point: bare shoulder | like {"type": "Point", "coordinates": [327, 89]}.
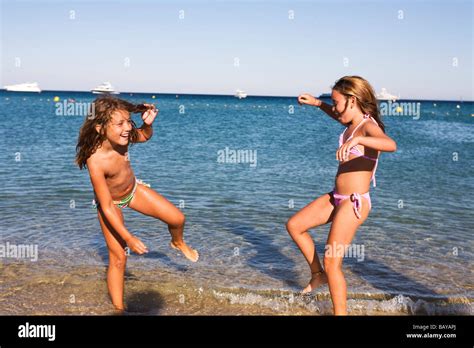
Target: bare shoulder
{"type": "Point", "coordinates": [371, 128]}
{"type": "Point", "coordinates": [94, 162]}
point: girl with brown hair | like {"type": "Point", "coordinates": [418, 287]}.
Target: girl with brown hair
{"type": "Point", "coordinates": [103, 148]}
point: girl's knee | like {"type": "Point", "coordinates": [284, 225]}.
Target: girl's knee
{"type": "Point", "coordinates": [118, 261]}
{"type": "Point", "coordinates": [332, 264]}
{"type": "Point", "coordinates": [178, 220]}
{"type": "Point", "coordinates": [292, 226]}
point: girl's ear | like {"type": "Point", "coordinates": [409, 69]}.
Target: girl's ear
{"type": "Point", "coordinates": [98, 128]}
{"type": "Point", "coordinates": [353, 101]}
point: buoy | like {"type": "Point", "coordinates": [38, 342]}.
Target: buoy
{"type": "Point", "coordinates": [399, 109]}
{"type": "Point", "coordinates": [56, 99]}
{"type": "Point", "coordinates": [153, 97]}
{"type": "Point", "coordinates": [458, 107]}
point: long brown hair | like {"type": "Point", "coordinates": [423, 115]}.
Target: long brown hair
{"type": "Point", "coordinates": [100, 114]}
{"type": "Point", "coordinates": [360, 88]}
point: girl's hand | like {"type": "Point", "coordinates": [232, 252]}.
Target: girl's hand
{"type": "Point", "coordinates": [309, 99]}
{"type": "Point", "coordinates": [136, 245]}
{"type": "Point", "coordinates": [149, 116]}
{"type": "Point", "coordinates": [342, 154]}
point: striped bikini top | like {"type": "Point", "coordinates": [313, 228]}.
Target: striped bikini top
{"type": "Point", "coordinates": [355, 150]}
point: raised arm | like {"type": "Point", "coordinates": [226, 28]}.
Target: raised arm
{"type": "Point", "coordinates": [373, 137]}
{"type": "Point", "coordinates": [107, 206]}
{"type": "Point", "coordinates": [376, 139]}
{"type": "Point", "coordinates": [145, 132]}
{"type": "Point", "coordinates": [308, 99]}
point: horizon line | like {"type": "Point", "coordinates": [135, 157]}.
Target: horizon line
{"type": "Point", "coordinates": [220, 95]}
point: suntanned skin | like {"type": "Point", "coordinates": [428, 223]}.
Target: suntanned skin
{"type": "Point", "coordinates": [112, 178]}
{"type": "Point", "coordinates": [353, 175]}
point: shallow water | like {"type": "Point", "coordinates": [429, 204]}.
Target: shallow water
{"type": "Point", "coordinates": [417, 241]}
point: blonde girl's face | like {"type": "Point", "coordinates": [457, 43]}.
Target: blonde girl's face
{"type": "Point", "coordinates": [119, 128]}
{"type": "Point", "coordinates": [339, 104]}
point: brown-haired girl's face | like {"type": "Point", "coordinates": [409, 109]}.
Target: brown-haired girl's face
{"type": "Point", "coordinates": [119, 128]}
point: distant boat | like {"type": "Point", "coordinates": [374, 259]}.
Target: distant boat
{"type": "Point", "coordinates": [105, 88]}
{"type": "Point", "coordinates": [385, 96]}
{"type": "Point", "coordinates": [325, 95]}
{"type": "Point", "coordinates": [240, 94]}
{"type": "Point", "coordinates": [24, 87]}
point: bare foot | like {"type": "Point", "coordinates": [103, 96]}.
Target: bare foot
{"type": "Point", "coordinates": [119, 310]}
{"type": "Point", "coordinates": [191, 254]}
{"type": "Point", "coordinates": [317, 279]}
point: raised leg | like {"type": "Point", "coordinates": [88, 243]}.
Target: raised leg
{"type": "Point", "coordinates": [149, 202]}
{"type": "Point", "coordinates": [318, 212]}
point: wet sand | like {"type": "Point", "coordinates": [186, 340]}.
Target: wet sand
{"type": "Point", "coordinates": [82, 290]}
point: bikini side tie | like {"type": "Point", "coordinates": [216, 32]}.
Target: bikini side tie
{"type": "Point", "coordinates": [356, 203]}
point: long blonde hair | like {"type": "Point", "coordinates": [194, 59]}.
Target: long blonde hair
{"type": "Point", "coordinates": [360, 88]}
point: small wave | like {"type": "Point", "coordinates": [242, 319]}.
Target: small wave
{"type": "Point", "coordinates": [358, 303]}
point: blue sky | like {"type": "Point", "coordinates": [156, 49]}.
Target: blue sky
{"type": "Point", "coordinates": [413, 53]}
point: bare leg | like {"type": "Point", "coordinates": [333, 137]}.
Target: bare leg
{"type": "Point", "coordinates": [318, 212]}
{"type": "Point", "coordinates": [343, 229]}
{"type": "Point", "coordinates": [149, 202]}
{"type": "Point", "coordinates": [117, 260]}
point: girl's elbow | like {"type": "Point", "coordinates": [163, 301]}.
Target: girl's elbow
{"type": "Point", "coordinates": [393, 146]}
{"type": "Point", "coordinates": [108, 210]}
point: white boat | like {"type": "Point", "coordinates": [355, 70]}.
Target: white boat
{"type": "Point", "coordinates": [105, 88]}
{"type": "Point", "coordinates": [325, 95]}
{"type": "Point", "coordinates": [240, 94]}
{"type": "Point", "coordinates": [385, 96]}
{"type": "Point", "coordinates": [24, 87]}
